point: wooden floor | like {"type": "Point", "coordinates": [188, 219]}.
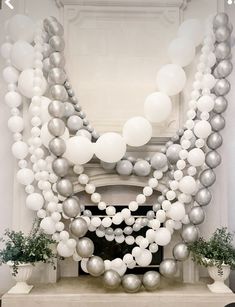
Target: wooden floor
{"type": "Point", "coordinates": [89, 292]}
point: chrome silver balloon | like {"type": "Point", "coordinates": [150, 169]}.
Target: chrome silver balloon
{"type": "Point", "coordinates": [203, 197]}
{"type": "Point", "coordinates": [217, 122]}
{"type": "Point", "coordinates": [74, 123]}
{"type": "Point", "coordinates": [172, 153]}
{"type": "Point", "coordinates": [222, 50]}
{"type": "Point", "coordinates": [214, 140]}
{"type": "Point", "coordinates": [222, 33]}
{"type": "Point", "coordinates": [111, 279]}
{"type": "Point", "coordinates": [213, 159]}
{"type": "Point", "coordinates": [85, 247]}
{"type": "Point", "coordinates": [60, 167]}
{"type": "Point", "coordinates": [142, 168]}
{"type": "Point", "coordinates": [151, 280]}
{"type": "Point", "coordinates": [190, 233]}
{"type": "Point", "coordinates": [58, 92]}
{"type": "Point", "coordinates": [57, 76]}
{"type": "Point", "coordinates": [131, 283]}
{"type": "Point", "coordinates": [69, 109]}
{"type": "Point", "coordinates": [56, 109]}
{"type": "Point", "coordinates": [220, 19]}
{"type": "Point", "coordinates": [224, 68]}
{"type": "Point", "coordinates": [57, 60]}
{"type": "Point", "coordinates": [56, 127]}
{"type": "Point", "coordinates": [158, 161]}
{"type": "Point", "coordinates": [79, 227]}
{"type": "Point", "coordinates": [207, 177]}
{"type": "Point", "coordinates": [222, 87]}
{"type": "Point", "coordinates": [124, 168]}
{"type": "Point", "coordinates": [221, 105]}
{"type": "Point", "coordinates": [57, 146]}
{"type": "Point", "coordinates": [95, 266]}
{"type": "Point", "coordinates": [64, 187]}
{"type": "Point", "coordinates": [55, 28]}
{"type": "Point", "coordinates": [181, 252]}
{"type": "Point", "coordinates": [197, 215]}
{"type": "Point", "coordinates": [168, 268]}
{"type": "Point", "coordinates": [71, 207]}
{"type": "Point", "coordinates": [57, 43]}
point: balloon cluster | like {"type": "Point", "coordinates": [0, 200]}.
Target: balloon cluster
{"type": "Point", "coordinates": [61, 136]}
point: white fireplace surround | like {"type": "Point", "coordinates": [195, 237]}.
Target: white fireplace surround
{"type": "Point", "coordinates": [92, 53]}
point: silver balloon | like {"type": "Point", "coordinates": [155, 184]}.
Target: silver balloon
{"type": "Point", "coordinates": [222, 50]}
{"type": "Point", "coordinates": [64, 187]}
{"type": "Point", "coordinates": [79, 227]}
{"type": "Point", "coordinates": [60, 167]}
{"type": "Point", "coordinates": [124, 168]}
{"type": "Point", "coordinates": [56, 109]}
{"type": "Point", "coordinates": [196, 215]}
{"type": "Point", "coordinates": [95, 266]}
{"type": "Point", "coordinates": [85, 247]}
{"type": "Point", "coordinates": [213, 159]}
{"type": "Point", "coordinates": [111, 279]}
{"type": "Point", "coordinates": [217, 122]}
{"type": "Point", "coordinates": [181, 252]}
{"type": "Point", "coordinates": [57, 60]}
{"type": "Point", "coordinates": [57, 146]}
{"type": "Point", "coordinates": [57, 43]}
{"type": "Point", "coordinates": [168, 268]}
{"type": "Point", "coordinates": [222, 87]}
{"type": "Point", "coordinates": [56, 126]}
{"type": "Point", "coordinates": [172, 153]}
{"type": "Point", "coordinates": [151, 280]}
{"type": "Point", "coordinates": [190, 233]}
{"type": "Point", "coordinates": [220, 19]}
{"type": "Point", "coordinates": [142, 168]}
{"type": "Point", "coordinates": [57, 76]}
{"type": "Point", "coordinates": [222, 34]}
{"type": "Point", "coordinates": [158, 161]}
{"type": "Point", "coordinates": [74, 123]}
{"type": "Point", "coordinates": [55, 28]}
{"type": "Point", "coordinates": [108, 166]}
{"type": "Point", "coordinates": [69, 109]}
{"type": "Point", "coordinates": [207, 177]}
{"type": "Point", "coordinates": [203, 197]}
{"type": "Point", "coordinates": [214, 140]}
{"type": "Point", "coordinates": [131, 283]}
{"type": "Point", "coordinates": [221, 105]}
{"type": "Point", "coordinates": [71, 207]}
{"type": "Point", "coordinates": [224, 68]}
{"type": "Point", "coordinates": [58, 92]}
{"type": "Point", "coordinates": [85, 133]}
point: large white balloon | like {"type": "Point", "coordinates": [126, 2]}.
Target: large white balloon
{"type": "Point", "coordinates": [181, 51]}
{"type": "Point", "coordinates": [187, 185]}
{"type": "Point", "coordinates": [35, 201]}
{"type": "Point", "coordinates": [46, 137]}
{"type": "Point", "coordinates": [110, 147]}
{"type": "Point", "coordinates": [26, 83]}
{"type": "Point", "coordinates": [196, 157]}
{"type": "Point", "coordinates": [193, 30]}
{"type": "Point", "coordinates": [48, 225]}
{"type": "Point", "coordinates": [20, 150]}
{"type": "Point", "coordinates": [22, 55]}
{"type": "Point", "coordinates": [79, 150]}
{"type": "Point", "coordinates": [177, 211]}
{"type": "Point", "coordinates": [15, 124]}
{"type": "Point", "coordinates": [64, 251]}
{"type": "Point", "coordinates": [137, 131]}
{"type": "Point", "coordinates": [157, 107]}
{"type": "Point", "coordinates": [171, 79]}
{"type": "Point", "coordinates": [202, 129]}
{"type": "Point", "coordinates": [205, 103]}
{"type": "Point", "coordinates": [21, 27]}
{"type": "Point", "coordinates": [145, 258]}
{"type": "Point", "coordinates": [162, 236]}
{"type": "Point", "coordinates": [25, 176]}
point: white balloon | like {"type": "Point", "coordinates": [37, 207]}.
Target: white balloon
{"type": "Point", "coordinates": [10, 74]}
{"type": "Point", "coordinates": [171, 79]}
{"type": "Point", "coordinates": [187, 185]}
{"type": "Point", "coordinates": [22, 55]}
{"type": "Point", "coordinates": [20, 150]}
{"type": "Point", "coordinates": [193, 30]}
{"type": "Point", "coordinates": [110, 147]}
{"type": "Point", "coordinates": [35, 201]}
{"type": "Point", "coordinates": [26, 83]}
{"type": "Point", "coordinates": [162, 236]}
{"type": "Point", "coordinates": [46, 137]}
{"type": "Point", "coordinates": [64, 250]}
{"type": "Point", "coordinates": [25, 176]}
{"type": "Point", "coordinates": [202, 129]}
{"type": "Point", "coordinates": [13, 99]}
{"type": "Point", "coordinates": [157, 107]}
{"type": "Point", "coordinates": [44, 114]}
{"type": "Point", "coordinates": [181, 51]}
{"type": "Point", "coordinates": [48, 225]}
{"type": "Point", "coordinates": [137, 131]}
{"type": "Point", "coordinates": [177, 211]}
{"type": "Point", "coordinates": [85, 133]}
{"type": "Point", "coordinates": [196, 157]}
{"type": "Point", "coordinates": [6, 50]}
{"type": "Point", "coordinates": [16, 124]}
{"type": "Point", "coordinates": [21, 27]}
{"type": "Point", "coordinates": [79, 150]}
{"type": "Point", "coordinates": [205, 103]}
{"type": "Point", "coordinates": [208, 81]}
{"type": "Point", "coordinates": [145, 258]}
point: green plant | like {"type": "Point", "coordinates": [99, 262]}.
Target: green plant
{"type": "Point", "coordinates": [32, 248]}
{"type": "Point", "coordinates": [217, 251]}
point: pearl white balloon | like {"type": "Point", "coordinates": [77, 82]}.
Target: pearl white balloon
{"type": "Point", "coordinates": [44, 114]}
{"type": "Point", "coordinates": [26, 83]}
{"type": "Point", "coordinates": [110, 147]}
{"type": "Point", "coordinates": [35, 201]}
{"type": "Point", "coordinates": [187, 185]}
{"type": "Point", "coordinates": [171, 79]}
{"type": "Point", "coordinates": [46, 137]}
{"type": "Point", "coordinates": [157, 107]}
{"type": "Point", "coordinates": [205, 103]}
{"type": "Point", "coordinates": [202, 129]}
{"type": "Point", "coordinates": [48, 225]}
{"type": "Point", "coordinates": [196, 157]}
{"type": "Point", "coordinates": [16, 124]}
{"type": "Point", "coordinates": [10, 74]}
{"type": "Point", "coordinates": [181, 51]}
{"type": "Point", "coordinates": [177, 211]}
{"type": "Point", "coordinates": [13, 99]}
{"type": "Point", "coordinates": [145, 258]}
{"type": "Point", "coordinates": [137, 131]}
{"type": "Point", "coordinates": [193, 30]}
{"type": "Point", "coordinates": [64, 250]}
{"type": "Point", "coordinates": [162, 236]}
{"type": "Point", "coordinates": [20, 150]}
{"type": "Point", "coordinates": [25, 176]}
{"type": "Point", "coordinates": [22, 55]}
{"type": "Point", "coordinates": [21, 27]}
{"type": "Point", "coordinates": [79, 150]}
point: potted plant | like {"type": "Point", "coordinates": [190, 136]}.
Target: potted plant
{"type": "Point", "coordinates": [218, 255]}
{"type": "Point", "coordinates": [21, 252]}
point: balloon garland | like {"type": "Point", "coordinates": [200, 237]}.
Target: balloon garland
{"type": "Point", "coordinates": [61, 136]}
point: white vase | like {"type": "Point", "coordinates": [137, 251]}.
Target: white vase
{"type": "Point", "coordinates": [21, 278]}
{"type": "Point", "coordinates": [219, 286]}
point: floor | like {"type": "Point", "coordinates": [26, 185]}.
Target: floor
{"type": "Point", "coordinates": [89, 292]}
